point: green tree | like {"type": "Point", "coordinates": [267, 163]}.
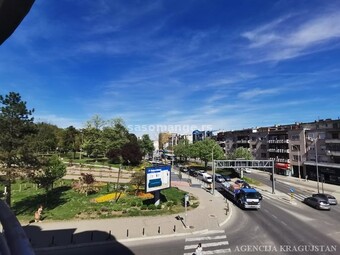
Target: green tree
{"type": "Point", "coordinates": [138, 180]}
{"type": "Point", "coordinates": [182, 150]}
{"type": "Point", "coordinates": [52, 170]}
{"type": "Point", "coordinates": [45, 140]}
{"type": "Point", "coordinates": [131, 152]}
{"type": "Point", "coordinates": [70, 141]}
{"type": "Point", "coordinates": [16, 125]}
{"type": "Point", "coordinates": [208, 148]}
{"type": "Point", "coordinates": [146, 145]}
{"type": "Point", "coordinates": [240, 152]}
{"type": "Point", "coordinates": [93, 143]}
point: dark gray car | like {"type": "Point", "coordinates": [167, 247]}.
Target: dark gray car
{"type": "Point", "coordinates": [331, 199]}
{"type": "Point", "coordinates": [317, 203]}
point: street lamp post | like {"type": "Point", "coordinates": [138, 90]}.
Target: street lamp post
{"type": "Point", "coordinates": [298, 149]}
{"type": "Point", "coordinates": [315, 140]}
{"type": "Point", "coordinates": [213, 169]}
{"type": "Point", "coordinates": [316, 164]}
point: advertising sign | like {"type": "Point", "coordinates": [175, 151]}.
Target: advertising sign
{"type": "Point", "coordinates": [157, 178]}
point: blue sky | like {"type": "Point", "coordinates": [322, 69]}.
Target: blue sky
{"type": "Point", "coordinates": [195, 64]}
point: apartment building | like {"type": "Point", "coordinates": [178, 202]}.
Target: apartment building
{"type": "Point", "coordinates": [299, 149]}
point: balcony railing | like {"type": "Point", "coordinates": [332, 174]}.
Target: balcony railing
{"type": "Point", "coordinates": [333, 153]}
{"type": "Point", "coordinates": [279, 141]}
{"type": "Point", "coordinates": [332, 141]}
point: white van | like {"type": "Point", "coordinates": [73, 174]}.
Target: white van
{"type": "Point", "coordinates": [207, 177]}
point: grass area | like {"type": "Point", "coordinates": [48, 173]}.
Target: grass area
{"type": "Point", "coordinates": [64, 203]}
{"type": "Point", "coordinates": [251, 181]}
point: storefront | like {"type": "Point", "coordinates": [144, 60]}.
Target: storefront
{"type": "Point", "coordinates": [283, 169]}
{"type": "Point", "coordinates": [328, 173]}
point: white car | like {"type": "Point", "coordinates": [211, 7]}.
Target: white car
{"type": "Point", "coordinates": [247, 170]}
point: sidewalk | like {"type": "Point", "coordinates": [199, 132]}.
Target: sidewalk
{"type": "Point", "coordinates": [211, 214]}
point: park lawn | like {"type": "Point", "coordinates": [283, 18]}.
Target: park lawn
{"type": "Point", "coordinates": [63, 203]}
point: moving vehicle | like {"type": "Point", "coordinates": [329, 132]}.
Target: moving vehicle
{"type": "Point", "coordinates": [245, 198]}
{"type": "Point", "coordinates": [331, 199]}
{"type": "Point", "coordinates": [317, 203]}
{"type": "Point", "coordinates": [207, 177]}
{"type": "Point", "coordinates": [219, 178]}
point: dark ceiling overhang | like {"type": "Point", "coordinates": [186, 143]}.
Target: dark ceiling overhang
{"type": "Point", "coordinates": [12, 12]}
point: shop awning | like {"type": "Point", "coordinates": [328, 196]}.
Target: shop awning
{"type": "Point", "coordinates": [284, 166]}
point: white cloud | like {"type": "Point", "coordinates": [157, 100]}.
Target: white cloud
{"type": "Point", "coordinates": [286, 38]}
{"type": "Point", "coordinates": [253, 93]}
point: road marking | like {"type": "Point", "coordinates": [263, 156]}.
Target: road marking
{"type": "Point", "coordinates": [221, 251]}
{"type": "Point", "coordinates": [204, 238]}
{"type": "Point", "coordinates": [206, 245]}
{"type": "Point", "coordinates": [274, 216]}
{"type": "Point", "coordinates": [284, 223]}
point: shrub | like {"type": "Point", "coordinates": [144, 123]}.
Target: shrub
{"type": "Point", "coordinates": [159, 206]}
{"type": "Point", "coordinates": [117, 207]}
{"type": "Point", "coordinates": [144, 207]}
{"type": "Point", "coordinates": [152, 207]}
{"type": "Point", "coordinates": [133, 203]}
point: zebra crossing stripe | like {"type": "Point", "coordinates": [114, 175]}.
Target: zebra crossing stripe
{"type": "Point", "coordinates": [206, 245]}
{"type": "Point", "coordinates": [205, 238]}
{"type": "Point", "coordinates": [220, 251]}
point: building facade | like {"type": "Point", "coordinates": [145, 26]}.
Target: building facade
{"type": "Point", "coordinates": [303, 150]}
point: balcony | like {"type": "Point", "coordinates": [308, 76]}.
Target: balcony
{"type": "Point", "coordinates": [333, 153]}
{"type": "Point", "coordinates": [281, 160]}
{"type": "Point", "coordinates": [279, 141]}
{"type": "Point", "coordinates": [243, 141]}
{"type": "Point", "coordinates": [332, 141]}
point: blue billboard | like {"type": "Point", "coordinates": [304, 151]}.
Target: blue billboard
{"type": "Point", "coordinates": [157, 178]}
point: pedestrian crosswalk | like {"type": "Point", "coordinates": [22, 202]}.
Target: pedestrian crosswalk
{"type": "Point", "coordinates": [295, 197]}
{"type": "Point", "coordinates": [213, 242]}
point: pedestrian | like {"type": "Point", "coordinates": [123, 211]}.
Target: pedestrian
{"type": "Point", "coordinates": [37, 214]}
{"type": "Point", "coordinates": [199, 250]}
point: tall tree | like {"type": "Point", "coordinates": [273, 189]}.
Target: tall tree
{"type": "Point", "coordinates": [93, 142]}
{"type": "Point", "coordinates": [70, 141]}
{"type": "Point", "coordinates": [16, 125]}
{"type": "Point", "coordinates": [131, 152]}
{"type": "Point", "coordinates": [208, 148]}
{"type": "Point", "coordinates": [46, 138]}
{"type": "Point", "coordinates": [182, 150]}
{"type": "Point", "coordinates": [146, 145]}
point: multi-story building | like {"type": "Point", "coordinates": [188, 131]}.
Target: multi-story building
{"type": "Point", "coordinates": [300, 149]}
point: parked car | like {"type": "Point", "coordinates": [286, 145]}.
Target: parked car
{"type": "Point", "coordinates": [200, 172]}
{"type": "Point", "coordinates": [207, 177]}
{"type": "Point", "coordinates": [227, 178]}
{"type": "Point", "coordinates": [331, 199]}
{"type": "Point", "coordinates": [183, 169]}
{"type": "Point", "coordinates": [317, 203]}
{"type": "Point", "coordinates": [219, 178]}
{"type": "Point", "coordinates": [192, 172]}
{"type": "Point", "coordinates": [247, 170]}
